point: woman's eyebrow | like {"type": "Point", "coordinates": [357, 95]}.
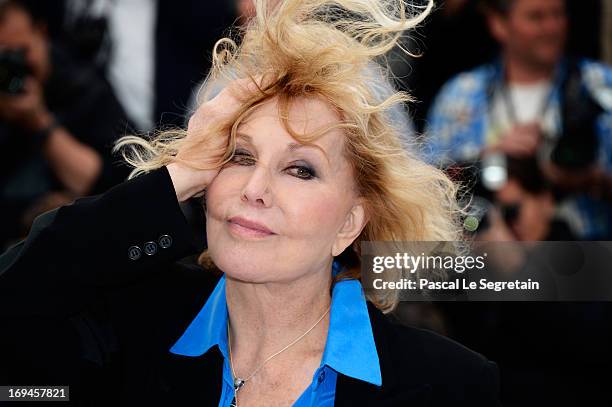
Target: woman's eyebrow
{"type": "Point", "coordinates": [291, 147]}
{"type": "Point", "coordinates": [244, 137]}
{"type": "Point", "coordinates": [296, 146]}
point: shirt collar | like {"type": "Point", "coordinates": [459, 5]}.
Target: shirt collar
{"type": "Point", "coordinates": [350, 348]}
{"type": "Point", "coordinates": [208, 328]}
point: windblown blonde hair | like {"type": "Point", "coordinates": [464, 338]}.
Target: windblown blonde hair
{"type": "Point", "coordinates": [333, 50]}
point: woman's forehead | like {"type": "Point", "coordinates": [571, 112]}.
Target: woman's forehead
{"type": "Point", "coordinates": [305, 115]}
{"type": "Point", "coordinates": [312, 111]}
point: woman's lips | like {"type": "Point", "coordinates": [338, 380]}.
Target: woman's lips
{"type": "Point", "coordinates": [248, 228]}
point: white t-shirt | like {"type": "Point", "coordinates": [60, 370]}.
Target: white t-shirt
{"type": "Point", "coordinates": [530, 103]}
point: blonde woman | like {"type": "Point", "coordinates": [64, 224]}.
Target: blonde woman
{"type": "Point", "coordinates": [296, 161]}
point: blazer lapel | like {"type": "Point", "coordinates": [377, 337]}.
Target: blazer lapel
{"type": "Point", "coordinates": [189, 381]}
{"type": "Point", "coordinates": [351, 392]}
{"type": "Point", "coordinates": [400, 387]}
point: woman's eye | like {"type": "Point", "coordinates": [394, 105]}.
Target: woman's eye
{"type": "Point", "coordinates": [301, 172]}
{"type": "Point", "coordinates": [243, 158]}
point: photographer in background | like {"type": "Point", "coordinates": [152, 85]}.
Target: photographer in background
{"type": "Point", "coordinates": [533, 102]}
{"type": "Point", "coordinates": [58, 121]}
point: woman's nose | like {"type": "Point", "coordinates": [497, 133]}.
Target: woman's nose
{"type": "Point", "coordinates": [256, 190]}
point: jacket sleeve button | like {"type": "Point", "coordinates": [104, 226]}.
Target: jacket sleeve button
{"type": "Point", "coordinates": [165, 241]}
{"type": "Point", "coordinates": [150, 248]}
{"type": "Point", "coordinates": [134, 253]}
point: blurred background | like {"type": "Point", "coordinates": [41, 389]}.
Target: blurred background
{"type": "Point", "coordinates": [513, 98]}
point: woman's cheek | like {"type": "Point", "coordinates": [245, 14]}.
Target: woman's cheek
{"type": "Point", "coordinates": [221, 190]}
{"type": "Point", "coordinates": [315, 215]}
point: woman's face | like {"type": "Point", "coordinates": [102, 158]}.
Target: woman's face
{"type": "Point", "coordinates": [280, 210]}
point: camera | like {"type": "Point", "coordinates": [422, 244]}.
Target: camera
{"type": "Point", "coordinates": [13, 71]}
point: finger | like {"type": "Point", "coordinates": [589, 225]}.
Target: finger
{"type": "Point", "coordinates": [533, 126]}
{"type": "Point", "coordinates": [527, 127]}
{"type": "Point", "coordinates": [244, 88]}
{"type": "Point", "coordinates": [520, 151]}
{"type": "Point", "coordinates": [514, 146]}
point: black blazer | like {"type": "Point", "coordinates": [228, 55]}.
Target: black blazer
{"type": "Point", "coordinates": [78, 307]}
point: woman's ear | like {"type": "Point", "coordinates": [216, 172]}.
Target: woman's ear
{"type": "Point", "coordinates": [355, 221]}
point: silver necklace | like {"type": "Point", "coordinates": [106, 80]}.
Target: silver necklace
{"type": "Point", "coordinates": [238, 382]}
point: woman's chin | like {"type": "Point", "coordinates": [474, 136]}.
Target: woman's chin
{"type": "Point", "coordinates": [237, 268]}
{"type": "Point", "coordinates": [245, 277]}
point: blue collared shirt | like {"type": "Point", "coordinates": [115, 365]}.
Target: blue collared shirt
{"type": "Point", "coordinates": [349, 349]}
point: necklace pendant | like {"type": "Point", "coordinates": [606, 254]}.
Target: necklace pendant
{"type": "Point", "coordinates": [238, 383]}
